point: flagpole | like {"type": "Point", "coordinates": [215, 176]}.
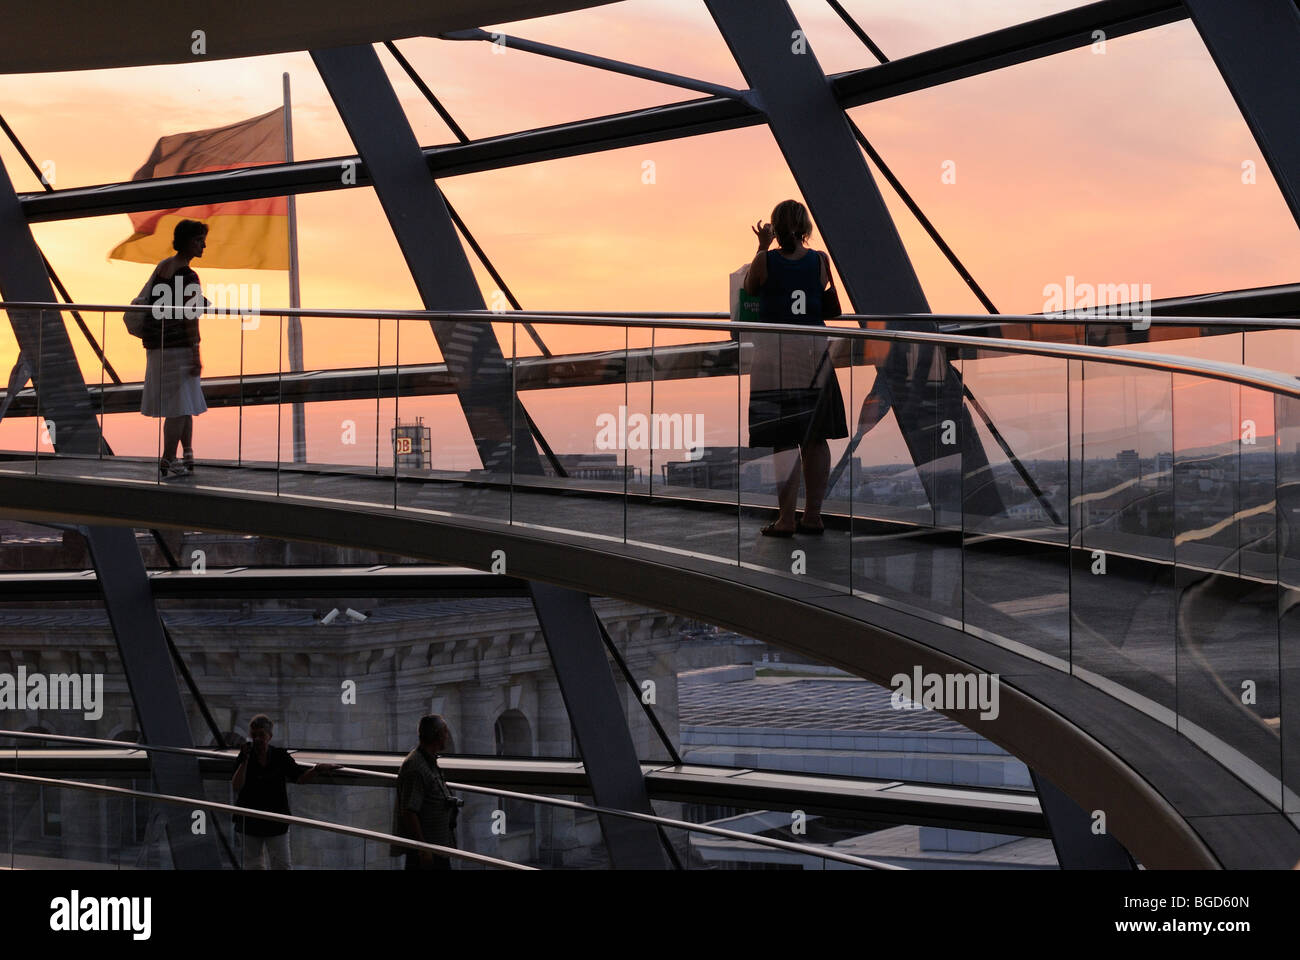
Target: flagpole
{"type": "Point", "coordinates": [295, 323]}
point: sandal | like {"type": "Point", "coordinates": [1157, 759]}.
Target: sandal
{"type": "Point", "coordinates": [771, 530]}
{"type": "Point", "coordinates": [170, 469]}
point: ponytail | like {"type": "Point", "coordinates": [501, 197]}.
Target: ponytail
{"type": "Point", "coordinates": [791, 224]}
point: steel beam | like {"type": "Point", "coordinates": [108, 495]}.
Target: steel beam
{"type": "Point", "coordinates": [54, 277]}
{"type": "Point", "coordinates": [43, 344]}
{"type": "Point", "coordinates": [1077, 846]}
{"type": "Point", "coordinates": [814, 136]}
{"type": "Point", "coordinates": [418, 215]}
{"type": "Point", "coordinates": [128, 32]}
{"type": "Point", "coordinates": [572, 635]}
{"type": "Point", "coordinates": [858, 31]}
{"type": "Point", "coordinates": [424, 230]}
{"type": "Point", "coordinates": [65, 402]}
{"type": "Point", "coordinates": [818, 144]}
{"type": "Point", "coordinates": [600, 63]}
{"type": "Point", "coordinates": [1016, 44]}
{"type": "Point", "coordinates": [966, 58]}
{"type": "Point", "coordinates": [1256, 46]}
{"type": "Point", "coordinates": [146, 661]}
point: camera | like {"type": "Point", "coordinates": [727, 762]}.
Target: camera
{"type": "Point", "coordinates": [454, 804]}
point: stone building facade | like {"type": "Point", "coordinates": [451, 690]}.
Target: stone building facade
{"type": "Point", "coordinates": [347, 685]}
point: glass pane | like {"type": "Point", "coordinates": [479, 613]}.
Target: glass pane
{"type": "Point", "coordinates": [907, 478]}
{"type": "Point", "coordinates": [1224, 475]}
{"type": "Point", "coordinates": [259, 397]}
{"type": "Point", "coordinates": [1272, 350]}
{"type": "Point", "coordinates": [1016, 581]}
{"type": "Point", "coordinates": [441, 463]}
{"type": "Point", "coordinates": [797, 429]}
{"type": "Point", "coordinates": [1288, 539]}
{"type": "Point", "coordinates": [773, 710]}
{"type": "Point", "coordinates": [1122, 533]}
{"type": "Point", "coordinates": [574, 408]}
{"type": "Point", "coordinates": [19, 429]}
{"type": "Point", "coordinates": [681, 439]}
{"type": "Point", "coordinates": [336, 386]}
{"type": "Point", "coordinates": [905, 29]}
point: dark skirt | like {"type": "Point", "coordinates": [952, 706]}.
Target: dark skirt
{"type": "Point", "coordinates": [793, 416]}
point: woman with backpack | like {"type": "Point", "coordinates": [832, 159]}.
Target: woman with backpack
{"type": "Point", "coordinates": [172, 390]}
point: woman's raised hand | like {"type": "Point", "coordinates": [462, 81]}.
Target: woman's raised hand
{"type": "Point", "coordinates": [765, 234]}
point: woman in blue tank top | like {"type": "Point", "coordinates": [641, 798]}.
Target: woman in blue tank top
{"type": "Point", "coordinates": [795, 403]}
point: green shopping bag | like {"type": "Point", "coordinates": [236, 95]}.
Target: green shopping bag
{"type": "Point", "coordinates": [744, 306]}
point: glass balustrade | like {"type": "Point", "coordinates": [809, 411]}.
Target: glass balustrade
{"type": "Point", "coordinates": [1130, 526]}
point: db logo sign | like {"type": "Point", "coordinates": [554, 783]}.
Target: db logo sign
{"type": "Point", "coordinates": [403, 445]}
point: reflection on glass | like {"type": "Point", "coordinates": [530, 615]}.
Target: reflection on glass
{"type": "Point", "coordinates": [1120, 523]}
{"type": "Point", "coordinates": [793, 519]}
{"type": "Point", "coordinates": [1122, 532]}
{"type": "Point", "coordinates": [1225, 550]}
{"type": "Point", "coordinates": [1288, 558]}
{"type": "Point", "coordinates": [1015, 564]}
{"type": "Point", "coordinates": [906, 496]}
{"type": "Point", "coordinates": [680, 433]}
{"type": "Point", "coordinates": [569, 458]}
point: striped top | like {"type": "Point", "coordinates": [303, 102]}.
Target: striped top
{"type": "Point", "coordinates": [422, 791]}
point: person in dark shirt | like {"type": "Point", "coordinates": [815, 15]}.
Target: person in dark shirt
{"type": "Point", "coordinates": [262, 773]}
{"type": "Point", "coordinates": [795, 402]}
{"type": "Point", "coordinates": [172, 389]}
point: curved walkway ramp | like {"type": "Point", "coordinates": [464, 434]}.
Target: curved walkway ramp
{"type": "Point", "coordinates": [1131, 585]}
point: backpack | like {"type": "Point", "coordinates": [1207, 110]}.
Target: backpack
{"type": "Point", "coordinates": [138, 321]}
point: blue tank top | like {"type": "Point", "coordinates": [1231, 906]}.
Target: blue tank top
{"type": "Point", "coordinates": [785, 278]}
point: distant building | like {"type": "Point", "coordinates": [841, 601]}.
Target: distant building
{"type": "Point", "coordinates": [714, 470]}
{"type": "Point", "coordinates": [411, 445]}
{"type": "Point", "coordinates": [597, 466]}
{"type": "Point", "coordinates": [1164, 469]}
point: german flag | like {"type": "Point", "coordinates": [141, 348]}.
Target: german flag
{"type": "Point", "coordinates": [247, 234]}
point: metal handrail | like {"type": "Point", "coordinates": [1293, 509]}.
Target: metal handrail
{"type": "Point", "coordinates": [710, 319]}
{"type": "Point", "coordinates": [285, 818]}
{"type": "Point", "coordinates": [1214, 370]}
{"type": "Point", "coordinates": [491, 791]}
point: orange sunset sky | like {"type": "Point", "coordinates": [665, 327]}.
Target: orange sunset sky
{"type": "Point", "coordinates": [1121, 165]}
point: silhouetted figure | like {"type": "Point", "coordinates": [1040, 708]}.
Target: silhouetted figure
{"type": "Point", "coordinates": [425, 810]}
{"type": "Point", "coordinates": [171, 380]}
{"type": "Point", "coordinates": [795, 404]}
{"type": "Point", "coordinates": [261, 774]}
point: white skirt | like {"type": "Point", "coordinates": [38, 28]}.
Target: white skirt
{"type": "Point", "coordinates": [170, 389]}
